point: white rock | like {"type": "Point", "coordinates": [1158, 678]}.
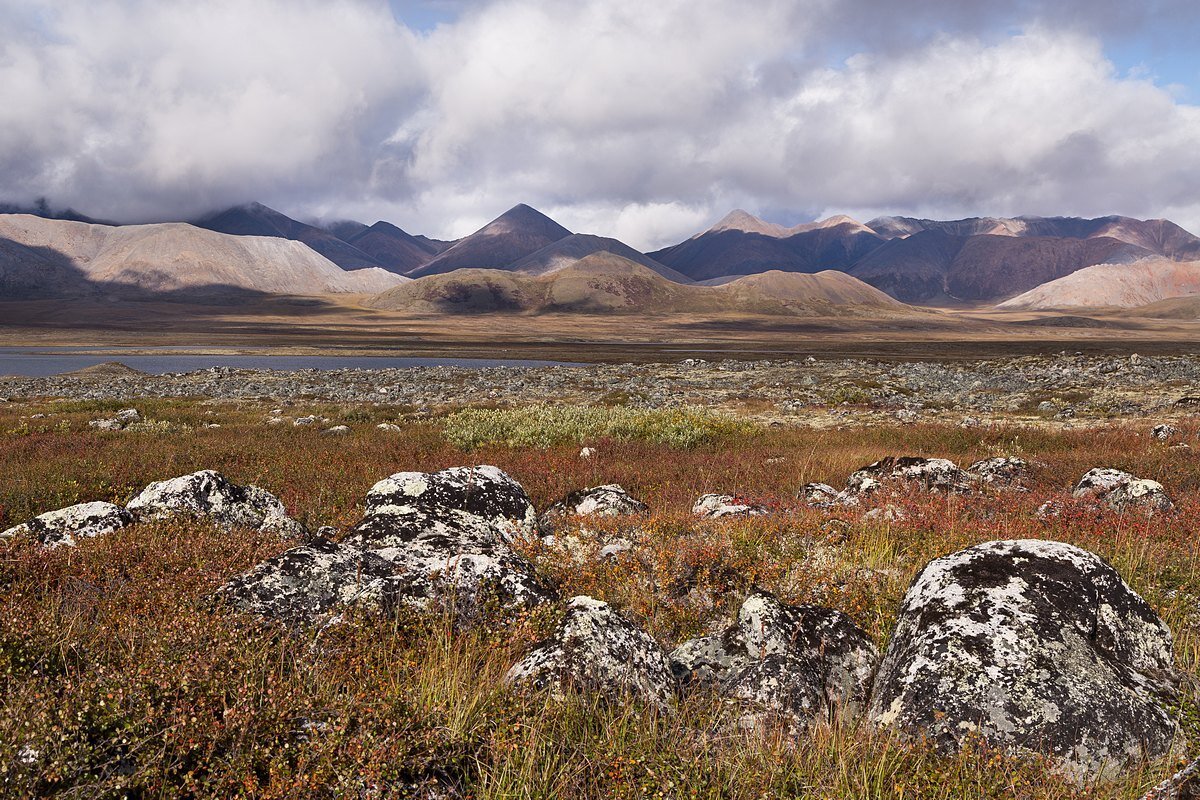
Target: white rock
{"type": "Point", "coordinates": [66, 526]}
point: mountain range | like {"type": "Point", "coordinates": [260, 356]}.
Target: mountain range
{"type": "Point", "coordinates": [1013, 263]}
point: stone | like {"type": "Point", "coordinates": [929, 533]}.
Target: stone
{"type": "Point", "coordinates": [486, 494]}
{"type": "Point", "coordinates": [588, 452]}
{"type": "Point", "coordinates": [1183, 785]}
{"type": "Point", "coordinates": [389, 427]}
{"type": "Point", "coordinates": [1030, 644]}
{"type": "Point", "coordinates": [610, 500]}
{"type": "Point", "coordinates": [714, 506]}
{"type": "Point", "coordinates": [64, 527]}
{"type": "Point", "coordinates": [106, 424]}
{"type": "Point", "coordinates": [1122, 492]}
{"type": "Point", "coordinates": [802, 662]}
{"type": "Point", "coordinates": [209, 494]}
{"type": "Point", "coordinates": [127, 416]}
{"type": "Point", "coordinates": [1002, 472]}
{"type": "Point", "coordinates": [597, 650]}
{"type": "Point", "coordinates": [310, 581]}
{"type": "Point", "coordinates": [819, 495]}
{"type": "Point", "coordinates": [886, 513]}
{"type": "Point", "coordinates": [303, 421]}
{"type": "Point", "coordinates": [928, 474]}
{"type": "Point", "coordinates": [336, 430]}
{"type": "Point", "coordinates": [615, 549]}
{"type": "Point", "coordinates": [1163, 432]}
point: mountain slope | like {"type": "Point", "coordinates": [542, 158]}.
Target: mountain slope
{"type": "Point", "coordinates": [505, 240]}
{"type": "Point", "coordinates": [392, 248]}
{"type": "Point", "coordinates": [1150, 280]}
{"type": "Point", "coordinates": [608, 283]}
{"type": "Point", "coordinates": [741, 244]}
{"type": "Point", "coordinates": [570, 250]}
{"type": "Point", "coordinates": [255, 219]}
{"type": "Point", "coordinates": [176, 259]}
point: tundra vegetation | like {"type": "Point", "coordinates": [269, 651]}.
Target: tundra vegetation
{"type": "Point", "coordinates": [120, 677]}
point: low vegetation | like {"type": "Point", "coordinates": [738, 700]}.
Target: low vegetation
{"type": "Point", "coordinates": [118, 678]}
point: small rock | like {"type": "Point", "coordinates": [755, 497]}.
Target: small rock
{"type": "Point", "coordinates": [819, 495]}
{"type": "Point", "coordinates": [302, 421]}
{"type": "Point", "coordinates": [615, 548]}
{"type": "Point", "coordinates": [587, 452]}
{"type": "Point", "coordinates": [888, 513]}
{"type": "Point", "coordinates": [726, 505]}
{"type": "Point", "coordinates": [597, 650]}
{"type": "Point", "coordinates": [930, 474]}
{"type": "Point", "coordinates": [1163, 432]}
{"type": "Point", "coordinates": [336, 430]}
{"type": "Point", "coordinates": [390, 427]}
{"type": "Point", "coordinates": [128, 415]}
{"type": "Point", "coordinates": [1121, 491]}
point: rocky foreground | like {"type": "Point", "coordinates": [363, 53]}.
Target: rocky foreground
{"type": "Point", "coordinates": [1059, 388]}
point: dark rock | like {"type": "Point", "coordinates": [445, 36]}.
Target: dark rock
{"type": "Point", "coordinates": [211, 495]}
{"type": "Point", "coordinates": [1035, 645]}
{"type": "Point", "coordinates": [1164, 432]}
{"type": "Point", "coordinates": [798, 661]}
{"type": "Point", "coordinates": [819, 495]}
{"type": "Point", "coordinates": [597, 650]}
{"type": "Point", "coordinates": [66, 526]}
{"type": "Point", "coordinates": [610, 500]}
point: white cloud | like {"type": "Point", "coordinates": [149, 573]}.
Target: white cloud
{"type": "Point", "coordinates": [643, 121]}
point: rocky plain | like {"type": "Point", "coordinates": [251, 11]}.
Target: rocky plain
{"type": "Point", "coordinates": [815, 578]}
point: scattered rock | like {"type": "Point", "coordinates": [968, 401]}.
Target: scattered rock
{"type": "Point", "coordinates": [597, 650]}
{"type": "Point", "coordinates": [302, 421]}
{"type": "Point", "coordinates": [588, 452]}
{"type": "Point", "coordinates": [336, 430]}
{"type": "Point", "coordinates": [888, 513]}
{"type": "Point", "coordinates": [118, 422]}
{"type": "Point", "coordinates": [1030, 644]}
{"type": "Point", "coordinates": [819, 495]}
{"type": "Point", "coordinates": [599, 501]}
{"type": "Point", "coordinates": [726, 505]}
{"type": "Point", "coordinates": [616, 548]}
{"type": "Point", "coordinates": [66, 526]}
{"type": "Point", "coordinates": [390, 427]}
{"type": "Point", "coordinates": [798, 661]}
{"type": "Point", "coordinates": [1183, 785]}
{"type": "Point", "coordinates": [1121, 491]}
{"type": "Point", "coordinates": [211, 495]}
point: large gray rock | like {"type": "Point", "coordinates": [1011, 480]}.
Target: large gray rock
{"type": "Point", "coordinates": [610, 500]}
{"type": "Point", "coordinates": [429, 540]}
{"type": "Point", "coordinates": [1030, 644]}
{"type": "Point", "coordinates": [1123, 492]}
{"type": "Point", "coordinates": [929, 474]}
{"type": "Point", "coordinates": [800, 662]}
{"type": "Point", "coordinates": [597, 650]}
{"type": "Point", "coordinates": [209, 494]}
{"type": "Point", "coordinates": [1003, 472]}
{"type": "Point", "coordinates": [66, 526]}
{"type": "Point", "coordinates": [307, 582]}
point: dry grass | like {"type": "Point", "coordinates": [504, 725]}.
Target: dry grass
{"type": "Point", "coordinates": [115, 669]}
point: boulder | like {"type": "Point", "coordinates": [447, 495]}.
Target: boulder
{"type": "Point", "coordinates": [1164, 432]}
{"type": "Point", "coordinates": [726, 505]}
{"type": "Point", "coordinates": [66, 526]}
{"type": "Point", "coordinates": [337, 430]}
{"type": "Point", "coordinates": [389, 427]}
{"type": "Point", "coordinates": [928, 474]}
{"type": "Point", "coordinates": [118, 422]}
{"type": "Point", "coordinates": [1121, 491]}
{"type": "Point", "coordinates": [482, 495]}
{"type": "Point", "coordinates": [822, 495]}
{"type": "Point", "coordinates": [211, 495]}
{"type": "Point", "coordinates": [1033, 645]}
{"type": "Point", "coordinates": [610, 500]}
{"type": "Point", "coordinates": [597, 650]}
{"type": "Point", "coordinates": [307, 582]}
{"type": "Point", "coordinates": [801, 662]}
{"type": "Point", "coordinates": [1007, 472]}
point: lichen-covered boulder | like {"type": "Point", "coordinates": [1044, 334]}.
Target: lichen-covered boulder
{"type": "Point", "coordinates": [66, 526]}
{"type": "Point", "coordinates": [1030, 644]}
{"type": "Point", "coordinates": [1122, 492]}
{"type": "Point", "coordinates": [929, 474]}
{"type": "Point", "coordinates": [597, 650]}
{"type": "Point", "coordinates": [798, 661]}
{"type": "Point", "coordinates": [610, 500]}
{"type": "Point", "coordinates": [1163, 432]}
{"type": "Point", "coordinates": [713, 506]}
{"type": "Point", "coordinates": [822, 495]}
{"type": "Point", "coordinates": [307, 582]}
{"type": "Point", "coordinates": [485, 494]}
{"type": "Point", "coordinates": [1005, 472]}
{"type": "Point", "coordinates": [209, 494]}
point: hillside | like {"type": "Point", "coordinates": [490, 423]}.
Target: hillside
{"type": "Point", "coordinates": [53, 258]}
{"type": "Point", "coordinates": [392, 248]}
{"type": "Point", "coordinates": [255, 219]}
{"type": "Point", "coordinates": [1142, 283]}
{"type": "Point", "coordinates": [505, 240]}
{"type": "Point", "coordinates": [608, 283]}
{"type": "Point", "coordinates": [571, 250]}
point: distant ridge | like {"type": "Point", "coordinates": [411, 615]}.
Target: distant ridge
{"type": "Point", "coordinates": [570, 250]}
{"type": "Point", "coordinates": [394, 249]}
{"type": "Point", "coordinates": [1150, 280]}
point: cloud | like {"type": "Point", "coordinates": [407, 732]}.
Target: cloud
{"type": "Point", "coordinates": [644, 121]}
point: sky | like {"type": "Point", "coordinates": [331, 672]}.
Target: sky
{"type": "Point", "coordinates": [646, 121]}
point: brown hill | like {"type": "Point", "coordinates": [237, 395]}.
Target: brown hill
{"type": "Point", "coordinates": [608, 283]}
{"type": "Point", "coordinates": [174, 259]}
{"type": "Point", "coordinates": [505, 240]}
{"type": "Point", "coordinates": [1140, 284]}
{"type": "Point", "coordinates": [393, 248]}
{"type": "Point", "coordinates": [571, 250]}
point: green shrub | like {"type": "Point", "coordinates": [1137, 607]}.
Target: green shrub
{"type": "Point", "coordinates": [545, 426]}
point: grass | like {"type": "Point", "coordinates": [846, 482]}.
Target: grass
{"type": "Point", "coordinates": [114, 668]}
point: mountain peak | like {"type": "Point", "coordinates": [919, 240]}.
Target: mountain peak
{"type": "Point", "coordinates": [745, 222]}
